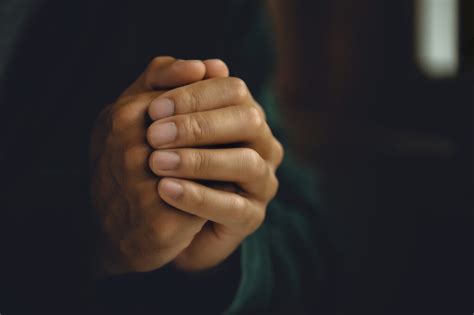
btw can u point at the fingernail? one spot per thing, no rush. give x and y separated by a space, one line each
161 108
214 60
163 133
195 61
164 160
182 62
171 188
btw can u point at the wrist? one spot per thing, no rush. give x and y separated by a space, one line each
173 291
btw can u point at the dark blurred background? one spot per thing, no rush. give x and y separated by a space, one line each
390 140
393 143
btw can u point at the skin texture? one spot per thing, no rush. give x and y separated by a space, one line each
180 175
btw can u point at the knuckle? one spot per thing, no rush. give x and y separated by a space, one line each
200 162
189 98
258 219
135 157
252 219
274 185
261 110
250 156
244 215
254 118
279 152
239 87
165 231
124 100
121 118
129 111
197 128
254 162
197 197
238 203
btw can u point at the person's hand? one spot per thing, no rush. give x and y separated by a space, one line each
139 232
191 124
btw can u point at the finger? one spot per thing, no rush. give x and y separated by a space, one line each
200 96
200 256
167 72
159 233
274 153
128 117
222 207
233 124
243 166
216 68
178 73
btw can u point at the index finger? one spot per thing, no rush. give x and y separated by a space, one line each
200 96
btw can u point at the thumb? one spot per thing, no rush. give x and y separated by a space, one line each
215 68
165 73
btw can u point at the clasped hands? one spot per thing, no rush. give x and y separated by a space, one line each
183 168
